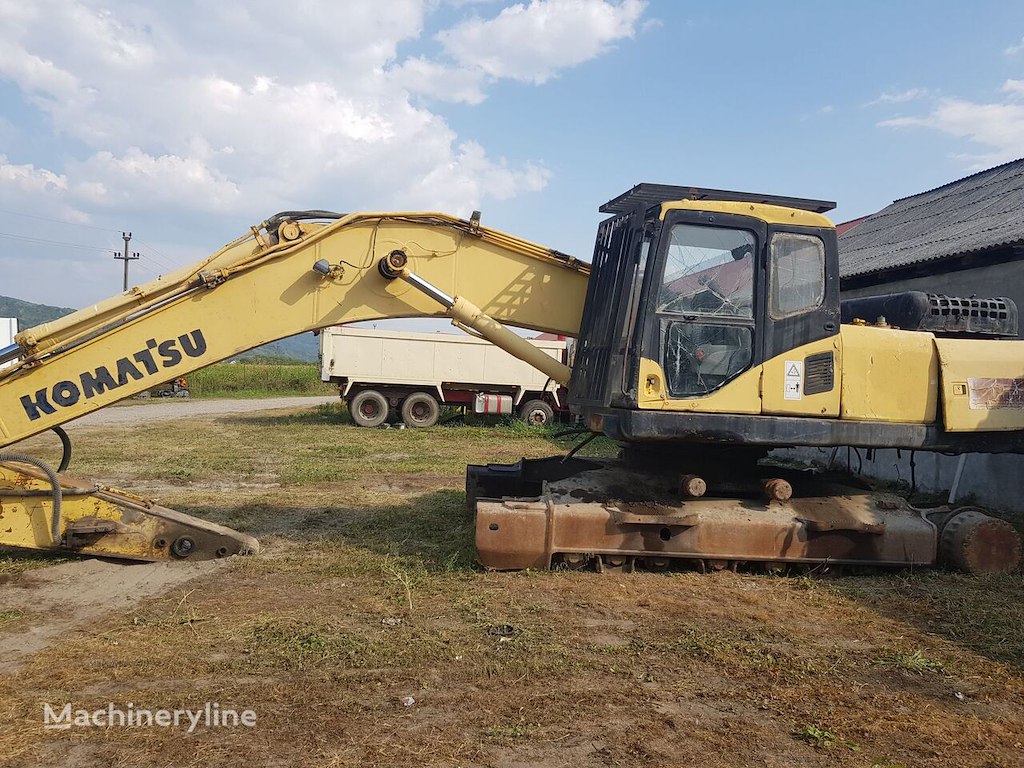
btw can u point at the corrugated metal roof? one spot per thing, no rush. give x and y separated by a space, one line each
976 213
846 226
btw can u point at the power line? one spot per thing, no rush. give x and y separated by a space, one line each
57 243
57 221
164 265
154 250
64 244
163 260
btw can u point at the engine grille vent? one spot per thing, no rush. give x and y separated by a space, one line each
819 373
942 315
954 306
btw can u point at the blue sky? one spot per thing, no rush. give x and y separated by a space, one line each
187 123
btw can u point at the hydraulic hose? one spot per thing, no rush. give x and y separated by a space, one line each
65 442
56 493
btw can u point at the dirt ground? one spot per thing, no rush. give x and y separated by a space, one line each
364 636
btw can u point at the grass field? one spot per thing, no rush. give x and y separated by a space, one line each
366 594
258 379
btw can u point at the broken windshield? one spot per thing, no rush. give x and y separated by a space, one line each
710 271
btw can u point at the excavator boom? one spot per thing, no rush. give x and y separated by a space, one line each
263 287
292 273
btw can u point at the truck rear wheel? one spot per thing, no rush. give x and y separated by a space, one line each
369 408
537 412
420 410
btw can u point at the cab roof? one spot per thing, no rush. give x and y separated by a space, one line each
643 196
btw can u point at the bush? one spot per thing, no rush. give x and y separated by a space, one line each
258 380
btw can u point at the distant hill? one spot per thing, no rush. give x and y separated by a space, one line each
29 314
304 347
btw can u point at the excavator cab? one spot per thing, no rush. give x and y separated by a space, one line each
710 335
692 289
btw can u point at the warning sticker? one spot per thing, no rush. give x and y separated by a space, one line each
793 384
996 393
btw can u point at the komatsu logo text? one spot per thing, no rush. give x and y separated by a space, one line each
146 362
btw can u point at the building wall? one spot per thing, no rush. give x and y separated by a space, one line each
991 281
996 481
8 329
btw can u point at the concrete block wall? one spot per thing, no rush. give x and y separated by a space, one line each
993 480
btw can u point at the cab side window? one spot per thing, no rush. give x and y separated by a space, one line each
797 265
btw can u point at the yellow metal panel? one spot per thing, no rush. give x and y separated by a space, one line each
741 395
25 521
778 378
772 214
982 384
889 375
744 393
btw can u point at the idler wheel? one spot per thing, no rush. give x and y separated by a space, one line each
976 543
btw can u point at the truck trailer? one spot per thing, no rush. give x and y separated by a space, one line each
8 330
380 373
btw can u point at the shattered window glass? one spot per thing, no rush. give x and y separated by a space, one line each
698 358
797 274
709 270
707 300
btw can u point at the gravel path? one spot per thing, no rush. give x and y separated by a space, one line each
186 407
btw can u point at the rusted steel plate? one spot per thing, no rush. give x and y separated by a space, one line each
609 511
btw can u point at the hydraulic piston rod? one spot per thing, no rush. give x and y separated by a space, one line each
394 266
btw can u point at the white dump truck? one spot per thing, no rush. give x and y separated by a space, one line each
413 374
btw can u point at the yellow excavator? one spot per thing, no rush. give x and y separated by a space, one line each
709 331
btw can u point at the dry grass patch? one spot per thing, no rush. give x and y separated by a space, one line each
366 595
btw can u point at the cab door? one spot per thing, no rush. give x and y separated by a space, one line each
800 321
705 306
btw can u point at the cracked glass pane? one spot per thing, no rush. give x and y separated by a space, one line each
709 271
700 357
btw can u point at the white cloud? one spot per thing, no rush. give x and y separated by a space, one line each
531 42
1013 50
1014 87
998 126
27 179
235 106
899 97
233 110
35 74
455 84
470 172
137 179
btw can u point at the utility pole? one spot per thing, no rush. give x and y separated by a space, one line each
126 258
